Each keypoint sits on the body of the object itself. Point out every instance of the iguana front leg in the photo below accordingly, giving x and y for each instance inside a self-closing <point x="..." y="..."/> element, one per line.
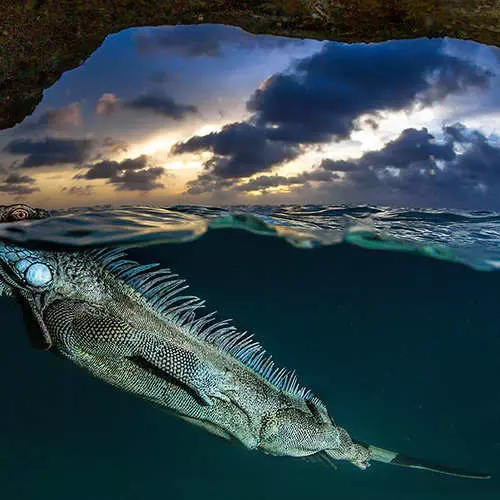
<point x="79" y="326"/>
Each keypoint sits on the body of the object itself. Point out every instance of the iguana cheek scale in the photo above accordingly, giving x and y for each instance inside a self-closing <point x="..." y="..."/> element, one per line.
<point x="132" y="326"/>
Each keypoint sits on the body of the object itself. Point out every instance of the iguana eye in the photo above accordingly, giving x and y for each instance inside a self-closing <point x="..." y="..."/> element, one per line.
<point x="38" y="275"/>
<point x="18" y="214"/>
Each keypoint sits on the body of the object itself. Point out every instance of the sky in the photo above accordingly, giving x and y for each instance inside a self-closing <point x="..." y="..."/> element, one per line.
<point x="213" y="115"/>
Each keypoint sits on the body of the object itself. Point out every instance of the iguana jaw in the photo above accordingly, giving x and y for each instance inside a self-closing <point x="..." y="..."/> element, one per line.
<point x="31" y="303"/>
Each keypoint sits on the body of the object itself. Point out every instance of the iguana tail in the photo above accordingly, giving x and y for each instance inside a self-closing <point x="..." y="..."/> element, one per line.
<point x="393" y="458"/>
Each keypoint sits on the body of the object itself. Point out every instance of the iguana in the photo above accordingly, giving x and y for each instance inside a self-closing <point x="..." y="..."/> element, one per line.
<point x="132" y="326"/>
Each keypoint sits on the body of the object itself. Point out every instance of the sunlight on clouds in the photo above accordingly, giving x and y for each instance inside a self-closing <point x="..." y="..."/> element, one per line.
<point x="294" y="167"/>
<point x="486" y="123"/>
<point x="209" y="128"/>
<point x="390" y="126"/>
<point x="366" y="139"/>
<point x="266" y="83"/>
<point x="392" y="123"/>
<point x="183" y="165"/>
<point x="269" y="190"/>
<point x="151" y="147"/>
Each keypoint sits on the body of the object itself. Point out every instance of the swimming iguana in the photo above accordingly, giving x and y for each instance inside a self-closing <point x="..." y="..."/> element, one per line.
<point x="132" y="326"/>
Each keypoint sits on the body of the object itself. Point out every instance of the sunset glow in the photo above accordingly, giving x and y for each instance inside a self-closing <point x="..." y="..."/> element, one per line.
<point x="237" y="117"/>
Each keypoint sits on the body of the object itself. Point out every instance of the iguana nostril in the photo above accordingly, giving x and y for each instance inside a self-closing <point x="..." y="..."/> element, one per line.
<point x="38" y="274"/>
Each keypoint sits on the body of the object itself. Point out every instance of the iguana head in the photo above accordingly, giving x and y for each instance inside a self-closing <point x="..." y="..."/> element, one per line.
<point x="26" y="274"/>
<point x="20" y="267"/>
<point x="19" y="211"/>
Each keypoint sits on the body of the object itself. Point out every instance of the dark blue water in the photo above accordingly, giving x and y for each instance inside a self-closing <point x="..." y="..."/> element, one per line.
<point x="403" y="349"/>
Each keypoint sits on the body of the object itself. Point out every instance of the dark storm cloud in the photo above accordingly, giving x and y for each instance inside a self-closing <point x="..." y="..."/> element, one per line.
<point x="131" y="174"/>
<point x="50" y="151"/>
<point x="162" y="105"/>
<point x="264" y="182"/>
<point x="139" y="180"/>
<point x="324" y="94"/>
<point x="479" y="163"/>
<point x="16" y="184"/>
<point x="240" y="150"/>
<point x="204" y="40"/>
<point x="108" y="169"/>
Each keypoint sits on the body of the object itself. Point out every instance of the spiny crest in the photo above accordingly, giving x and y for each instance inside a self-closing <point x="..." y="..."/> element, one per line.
<point x="161" y="289"/>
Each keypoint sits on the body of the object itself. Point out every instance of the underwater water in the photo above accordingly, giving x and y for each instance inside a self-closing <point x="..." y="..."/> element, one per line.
<point x="338" y="201"/>
<point x="403" y="348"/>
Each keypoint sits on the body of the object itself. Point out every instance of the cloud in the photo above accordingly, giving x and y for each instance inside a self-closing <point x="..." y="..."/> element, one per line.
<point x="58" y="119"/>
<point x="411" y="147"/>
<point x="131" y="174"/>
<point x="204" y="40"/>
<point x="50" y="151"/>
<point x="79" y="190"/>
<point x="139" y="180"/>
<point x="209" y="183"/>
<point x="108" y="168"/>
<point x="479" y="163"/>
<point x="206" y="183"/>
<point x="239" y="150"/>
<point x="324" y="94"/>
<point x="264" y="182"/>
<point x="16" y="184"/>
<point x="15" y="178"/>
<point x="107" y="104"/>
<point x="115" y="145"/>
<point x="464" y="171"/>
<point x="162" y="105"/>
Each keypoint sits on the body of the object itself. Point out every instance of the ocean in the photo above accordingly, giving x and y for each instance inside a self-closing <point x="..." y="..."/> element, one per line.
<point x="403" y="348"/>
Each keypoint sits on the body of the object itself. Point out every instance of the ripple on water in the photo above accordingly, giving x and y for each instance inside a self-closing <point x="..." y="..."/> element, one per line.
<point x="471" y="238"/>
